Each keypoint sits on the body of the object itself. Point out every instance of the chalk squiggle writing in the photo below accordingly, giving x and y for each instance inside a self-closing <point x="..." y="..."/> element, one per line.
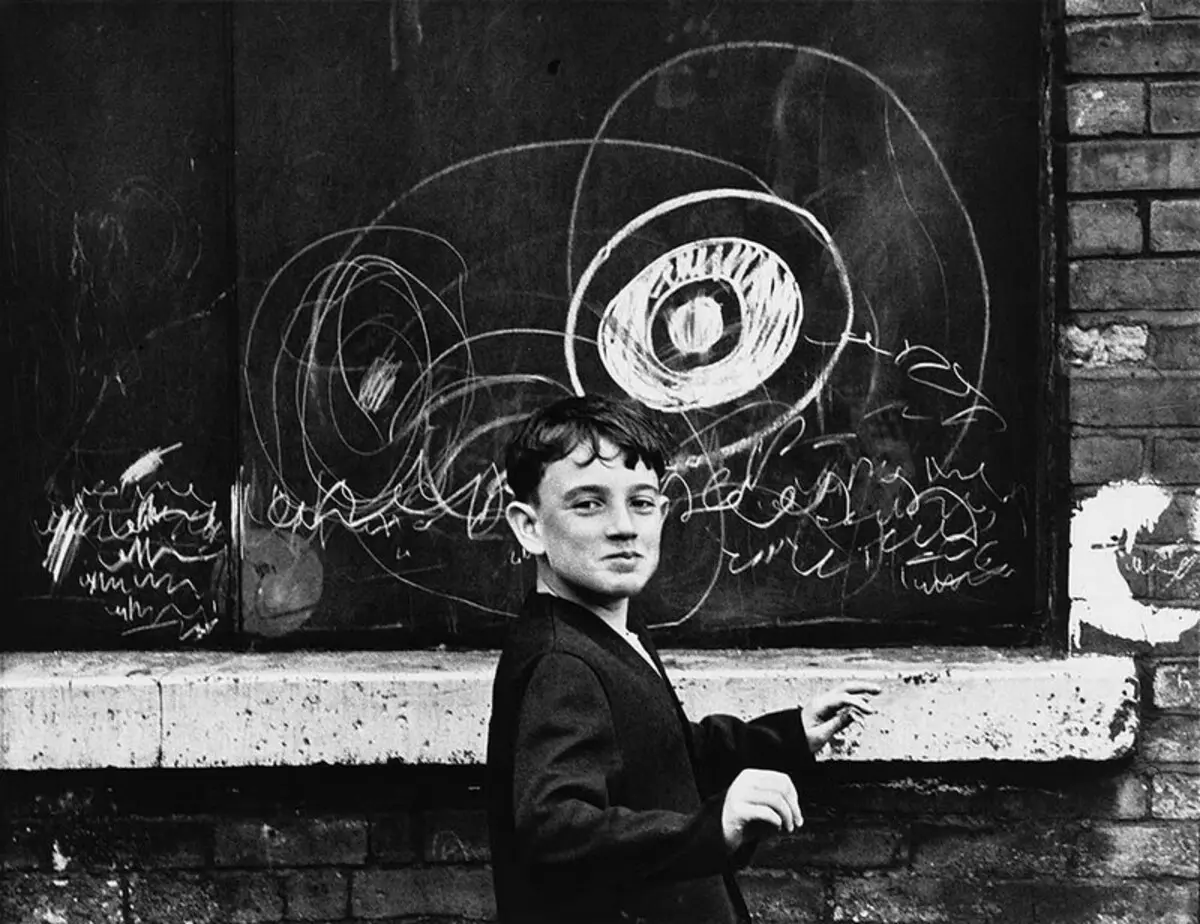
<point x="874" y="515"/>
<point x="141" y="550"/>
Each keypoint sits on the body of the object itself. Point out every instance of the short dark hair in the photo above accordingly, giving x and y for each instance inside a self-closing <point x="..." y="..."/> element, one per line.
<point x="554" y="431"/>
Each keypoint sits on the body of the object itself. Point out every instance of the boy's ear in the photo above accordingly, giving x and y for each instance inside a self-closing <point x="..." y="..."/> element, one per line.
<point x="523" y="521"/>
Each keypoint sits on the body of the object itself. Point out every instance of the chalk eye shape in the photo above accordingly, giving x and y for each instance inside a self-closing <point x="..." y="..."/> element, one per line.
<point x="769" y="309"/>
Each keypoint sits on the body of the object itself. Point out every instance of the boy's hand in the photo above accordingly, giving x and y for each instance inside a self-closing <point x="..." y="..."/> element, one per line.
<point x="759" y="800"/>
<point x="828" y="713"/>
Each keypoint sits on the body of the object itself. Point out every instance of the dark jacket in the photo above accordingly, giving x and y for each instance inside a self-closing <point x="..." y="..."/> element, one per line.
<point x="604" y="800"/>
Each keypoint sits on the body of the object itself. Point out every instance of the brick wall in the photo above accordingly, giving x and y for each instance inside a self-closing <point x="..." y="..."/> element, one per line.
<point x="1131" y="353"/>
<point x="1013" y="844"/>
<point x="896" y="843"/>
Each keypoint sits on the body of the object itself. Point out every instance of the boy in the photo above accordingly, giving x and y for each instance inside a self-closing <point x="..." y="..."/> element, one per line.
<point x="605" y="803"/>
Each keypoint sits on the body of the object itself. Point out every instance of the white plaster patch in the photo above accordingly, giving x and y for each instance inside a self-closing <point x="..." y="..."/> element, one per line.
<point x="1093" y="347"/>
<point x="57" y="859"/>
<point x="1103" y="527"/>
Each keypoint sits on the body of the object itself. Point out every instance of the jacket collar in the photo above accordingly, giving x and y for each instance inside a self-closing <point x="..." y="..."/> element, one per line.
<point x="588" y="623"/>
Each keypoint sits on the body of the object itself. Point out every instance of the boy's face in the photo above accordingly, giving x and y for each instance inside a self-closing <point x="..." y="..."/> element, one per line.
<point x="595" y="526"/>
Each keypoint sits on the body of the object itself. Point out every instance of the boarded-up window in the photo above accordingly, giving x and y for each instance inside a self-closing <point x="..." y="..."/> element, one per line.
<point x="280" y="277"/>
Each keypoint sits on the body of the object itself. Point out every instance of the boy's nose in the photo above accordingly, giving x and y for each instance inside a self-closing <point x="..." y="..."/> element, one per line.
<point x="621" y="523"/>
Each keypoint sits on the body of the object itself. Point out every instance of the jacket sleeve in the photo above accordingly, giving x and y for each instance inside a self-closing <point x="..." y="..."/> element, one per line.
<point x="724" y="746"/>
<point x="565" y="755"/>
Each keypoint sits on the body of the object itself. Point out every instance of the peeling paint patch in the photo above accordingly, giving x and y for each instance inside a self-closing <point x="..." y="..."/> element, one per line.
<point x="1095" y="347"/>
<point x="58" y="859"/>
<point x="1103" y="530"/>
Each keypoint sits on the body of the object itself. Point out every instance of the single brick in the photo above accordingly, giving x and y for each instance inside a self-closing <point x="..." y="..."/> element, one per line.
<point x="1176" y="795"/>
<point x="1013" y="853"/>
<point x="33" y="898"/>
<point x="1118" y="902"/>
<point x="1175" y="106"/>
<point x="1133" y="285"/>
<point x="1173" y="402"/>
<point x="1112" y="165"/>
<point x="1132" y="47"/>
<point x="1103" y="227"/>
<point x="1175" y="225"/>
<point x="1175" y="347"/>
<point x="1103" y="7"/>
<point x="444" y="890"/>
<point x="1103" y="345"/>
<point x="834" y="845"/>
<point x="224" y="898"/>
<point x="1141" y="850"/>
<point x="1171" y="739"/>
<point x="317" y="895"/>
<point x="1101" y="459"/>
<point x="456" y="836"/>
<point x="905" y="899"/>
<point x="292" y="842"/>
<point x="393" y="839"/>
<point x="783" y="900"/>
<point x="1177" y="685"/>
<point x="1176" y="460"/>
<point x="1106" y="107"/>
<point x="1126" y="796"/>
<point x="1174" y="9"/>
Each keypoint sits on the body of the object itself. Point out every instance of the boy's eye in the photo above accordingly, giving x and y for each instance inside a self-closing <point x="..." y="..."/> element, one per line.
<point x="587" y="505"/>
<point x="644" y="504"/>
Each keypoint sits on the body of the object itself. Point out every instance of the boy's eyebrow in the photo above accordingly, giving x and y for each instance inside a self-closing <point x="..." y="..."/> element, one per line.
<point x="585" y="489"/>
<point x="602" y="489"/>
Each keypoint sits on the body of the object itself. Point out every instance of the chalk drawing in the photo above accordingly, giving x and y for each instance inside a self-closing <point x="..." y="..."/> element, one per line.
<point x="380" y="383"/>
<point x="147" y="552"/>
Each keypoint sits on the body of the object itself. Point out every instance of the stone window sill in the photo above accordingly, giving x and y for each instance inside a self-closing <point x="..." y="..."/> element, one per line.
<point x="205" y="709"/>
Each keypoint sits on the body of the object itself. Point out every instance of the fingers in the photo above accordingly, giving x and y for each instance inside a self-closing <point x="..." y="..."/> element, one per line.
<point x="763" y="798"/>
<point x="853" y="694"/>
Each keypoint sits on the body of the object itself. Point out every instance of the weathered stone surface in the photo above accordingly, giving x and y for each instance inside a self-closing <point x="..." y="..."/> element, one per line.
<point x="291" y="842"/>
<point x="1103" y="226"/>
<point x="1104" y="345"/>
<point x="424" y="707"/>
<point x="77" y="710"/>
<point x="1141" y="850"/>
<point x="318" y="895"/>
<point x="905" y="899"/>
<point x="1175" y="106"/>
<point x="1115" y="902"/>
<point x="1135" y="285"/>
<point x="1136" y="402"/>
<point x="1101" y="459"/>
<point x="33" y="898"/>
<point x="1177" y="684"/>
<point x="1127" y="165"/>
<point x="1175" y="225"/>
<point x="439" y="890"/>
<point x="1176" y="795"/>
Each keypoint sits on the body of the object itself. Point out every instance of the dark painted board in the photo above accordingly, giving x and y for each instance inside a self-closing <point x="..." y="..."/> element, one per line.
<point x="432" y="206"/>
<point x="117" y="291"/>
<point x="425" y="195"/>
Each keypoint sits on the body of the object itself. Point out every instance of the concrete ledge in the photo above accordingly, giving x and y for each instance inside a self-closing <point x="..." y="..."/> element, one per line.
<point x="197" y="709"/>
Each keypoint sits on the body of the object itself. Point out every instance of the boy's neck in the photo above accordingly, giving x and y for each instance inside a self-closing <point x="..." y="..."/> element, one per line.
<point x="616" y="614"/>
